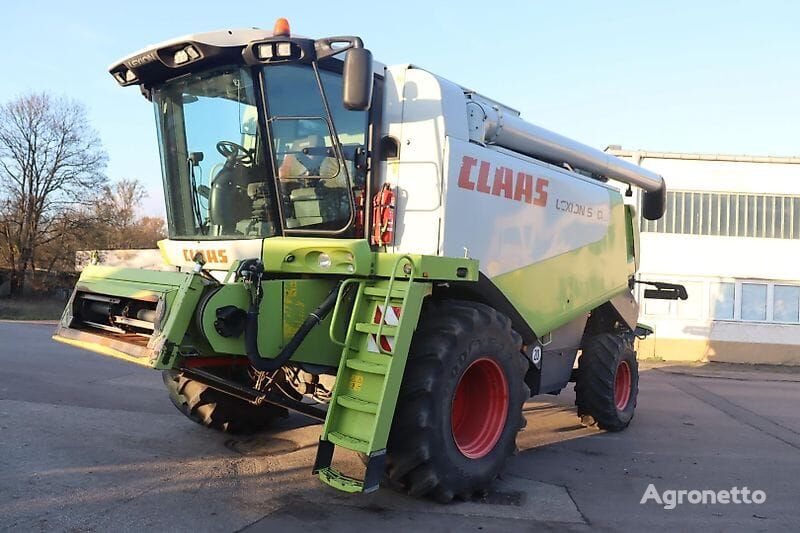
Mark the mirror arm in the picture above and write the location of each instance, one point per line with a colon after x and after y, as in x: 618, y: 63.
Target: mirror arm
x: 324, y: 47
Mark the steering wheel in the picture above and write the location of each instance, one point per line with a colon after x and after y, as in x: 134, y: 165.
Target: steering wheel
x: 235, y: 153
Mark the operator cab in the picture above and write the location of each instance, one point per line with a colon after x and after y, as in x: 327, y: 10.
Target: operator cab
x: 261, y: 134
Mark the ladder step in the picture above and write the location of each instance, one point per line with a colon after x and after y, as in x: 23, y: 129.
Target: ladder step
x: 357, y: 404
x: 351, y: 443
x: 337, y: 480
x: 367, y: 366
x: 387, y: 331
x: 378, y: 291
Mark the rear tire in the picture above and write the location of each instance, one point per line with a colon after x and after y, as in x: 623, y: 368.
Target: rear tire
x: 607, y: 384
x: 460, y: 403
x: 217, y: 410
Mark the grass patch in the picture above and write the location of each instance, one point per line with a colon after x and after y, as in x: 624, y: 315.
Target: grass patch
x: 31, y: 309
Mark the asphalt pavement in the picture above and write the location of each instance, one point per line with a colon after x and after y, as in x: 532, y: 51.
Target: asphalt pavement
x: 89, y: 443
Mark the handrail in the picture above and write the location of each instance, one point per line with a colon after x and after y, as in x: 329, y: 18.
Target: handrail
x: 331, y: 333
x: 389, y: 297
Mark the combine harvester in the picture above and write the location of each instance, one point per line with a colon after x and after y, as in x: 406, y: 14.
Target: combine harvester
x: 377, y: 248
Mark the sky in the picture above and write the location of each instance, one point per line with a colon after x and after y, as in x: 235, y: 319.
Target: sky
x: 694, y: 76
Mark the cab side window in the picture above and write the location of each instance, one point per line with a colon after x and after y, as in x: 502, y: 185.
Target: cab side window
x: 351, y: 126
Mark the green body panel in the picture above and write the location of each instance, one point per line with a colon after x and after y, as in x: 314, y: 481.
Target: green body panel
x: 430, y: 267
x: 235, y: 294
x: 156, y: 278
x: 300, y: 255
x: 553, y: 292
x: 353, y: 257
x: 301, y: 297
x: 175, y: 294
x: 129, y: 282
x: 284, y: 307
x: 178, y: 317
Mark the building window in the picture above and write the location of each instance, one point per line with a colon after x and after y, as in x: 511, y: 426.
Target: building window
x: 754, y: 301
x: 728, y: 214
x: 722, y: 300
x: 729, y: 300
x: 786, y: 303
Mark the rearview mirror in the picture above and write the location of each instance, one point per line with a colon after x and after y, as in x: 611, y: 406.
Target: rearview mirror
x: 357, y: 91
x: 654, y: 203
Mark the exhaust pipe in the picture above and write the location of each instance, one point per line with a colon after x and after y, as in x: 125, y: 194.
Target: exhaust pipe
x: 489, y: 124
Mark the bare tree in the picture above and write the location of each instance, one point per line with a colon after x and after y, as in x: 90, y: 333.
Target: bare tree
x: 125, y: 229
x: 110, y: 222
x: 51, y: 164
x: 148, y: 231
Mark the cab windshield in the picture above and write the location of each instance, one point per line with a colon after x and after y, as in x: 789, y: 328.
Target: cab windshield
x: 226, y: 177
x: 214, y: 165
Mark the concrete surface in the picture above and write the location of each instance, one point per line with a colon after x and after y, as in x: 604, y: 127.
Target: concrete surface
x: 734, y: 371
x: 89, y: 443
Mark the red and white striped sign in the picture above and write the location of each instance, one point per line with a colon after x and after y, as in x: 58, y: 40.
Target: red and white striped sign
x: 390, y: 318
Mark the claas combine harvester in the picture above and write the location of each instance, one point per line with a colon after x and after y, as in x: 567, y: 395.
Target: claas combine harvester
x: 375, y: 247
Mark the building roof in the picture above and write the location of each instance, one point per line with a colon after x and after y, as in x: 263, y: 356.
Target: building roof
x: 733, y: 158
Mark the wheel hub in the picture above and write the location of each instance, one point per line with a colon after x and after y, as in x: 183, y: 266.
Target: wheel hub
x: 622, y: 385
x: 480, y: 408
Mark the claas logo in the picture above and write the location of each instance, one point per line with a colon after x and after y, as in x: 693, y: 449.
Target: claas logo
x: 211, y: 256
x: 518, y: 186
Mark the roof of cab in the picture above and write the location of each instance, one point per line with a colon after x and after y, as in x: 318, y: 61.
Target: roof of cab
x: 222, y: 38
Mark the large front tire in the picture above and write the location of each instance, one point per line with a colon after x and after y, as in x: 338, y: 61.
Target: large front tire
x: 460, y: 403
x: 607, y: 384
x: 217, y: 410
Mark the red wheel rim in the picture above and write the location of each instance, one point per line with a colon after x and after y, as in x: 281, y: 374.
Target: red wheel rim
x: 480, y: 408
x: 622, y: 385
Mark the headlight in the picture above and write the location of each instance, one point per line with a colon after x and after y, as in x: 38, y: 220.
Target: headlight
x: 125, y: 76
x: 184, y: 55
x: 181, y: 57
x: 264, y: 51
x: 283, y: 49
x: 324, y: 261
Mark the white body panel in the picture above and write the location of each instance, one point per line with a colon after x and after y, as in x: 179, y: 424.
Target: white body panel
x: 507, y: 225
x: 509, y: 212
x: 219, y: 255
x: 420, y: 110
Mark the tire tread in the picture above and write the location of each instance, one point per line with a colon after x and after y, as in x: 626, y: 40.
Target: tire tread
x: 217, y: 410
x: 412, y: 463
x: 594, y: 388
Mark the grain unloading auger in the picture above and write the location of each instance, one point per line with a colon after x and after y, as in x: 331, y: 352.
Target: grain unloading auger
x: 375, y: 247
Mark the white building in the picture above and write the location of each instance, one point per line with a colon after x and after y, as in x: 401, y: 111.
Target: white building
x: 731, y: 235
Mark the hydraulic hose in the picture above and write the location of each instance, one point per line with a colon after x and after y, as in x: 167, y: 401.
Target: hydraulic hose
x: 251, y: 333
